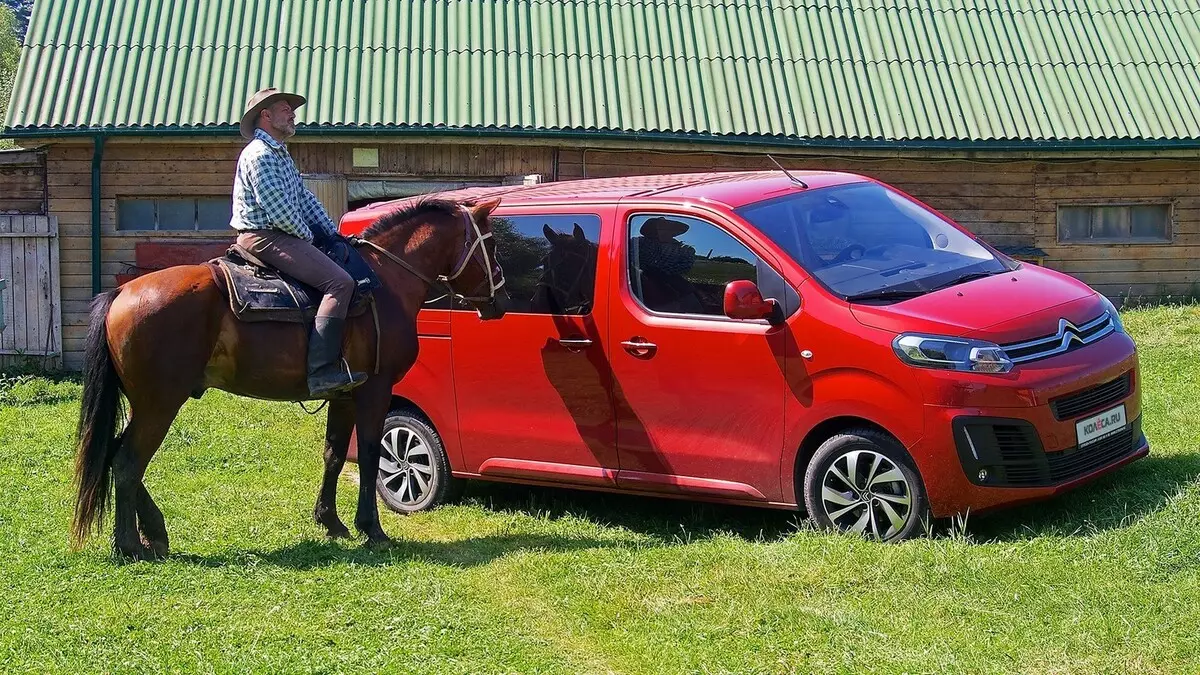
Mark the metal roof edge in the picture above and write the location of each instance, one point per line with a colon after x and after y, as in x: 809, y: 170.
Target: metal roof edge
x: 609, y: 135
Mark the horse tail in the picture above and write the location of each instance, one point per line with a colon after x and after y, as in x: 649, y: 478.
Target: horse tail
x: 96, y: 435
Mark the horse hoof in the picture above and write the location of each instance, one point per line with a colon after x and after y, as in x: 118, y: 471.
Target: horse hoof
x: 384, y: 544
x: 140, y: 552
x: 339, y: 532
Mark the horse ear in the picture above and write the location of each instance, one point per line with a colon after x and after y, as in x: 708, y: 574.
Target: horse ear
x: 548, y: 232
x: 482, y: 210
x: 579, y: 233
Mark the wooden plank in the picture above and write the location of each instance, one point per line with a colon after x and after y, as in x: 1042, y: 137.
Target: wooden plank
x: 55, y: 285
x: 8, y: 335
x: 1128, y: 265
x: 35, y: 310
x: 32, y: 158
x: 1115, y: 166
x: 21, y: 205
x: 1146, y: 291
x: 1112, y: 192
x: 16, y: 253
x: 1122, y: 252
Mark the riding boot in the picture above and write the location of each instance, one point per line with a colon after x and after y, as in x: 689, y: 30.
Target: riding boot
x: 328, y: 372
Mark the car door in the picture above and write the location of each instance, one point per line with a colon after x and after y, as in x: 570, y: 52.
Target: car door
x: 533, y: 388
x: 699, y: 396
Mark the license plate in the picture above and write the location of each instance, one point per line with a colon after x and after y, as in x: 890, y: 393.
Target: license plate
x: 1100, y: 426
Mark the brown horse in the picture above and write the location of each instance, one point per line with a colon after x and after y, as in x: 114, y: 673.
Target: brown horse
x: 171, y: 334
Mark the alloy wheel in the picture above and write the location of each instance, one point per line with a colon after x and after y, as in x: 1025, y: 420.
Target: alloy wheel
x: 406, y: 466
x: 864, y: 492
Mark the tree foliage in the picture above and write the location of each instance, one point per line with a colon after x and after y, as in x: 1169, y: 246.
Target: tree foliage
x: 10, y: 53
x: 21, y: 10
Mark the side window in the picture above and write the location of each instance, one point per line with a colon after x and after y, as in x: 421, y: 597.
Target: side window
x: 680, y: 265
x: 549, y: 262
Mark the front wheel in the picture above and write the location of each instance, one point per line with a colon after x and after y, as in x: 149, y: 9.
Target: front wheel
x: 863, y: 481
x: 414, y: 471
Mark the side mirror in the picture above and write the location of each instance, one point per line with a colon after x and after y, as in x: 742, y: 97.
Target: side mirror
x: 743, y: 301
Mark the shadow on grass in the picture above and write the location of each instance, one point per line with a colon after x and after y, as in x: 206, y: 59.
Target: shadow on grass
x: 313, y: 554
x: 1111, y: 502
x: 667, y: 520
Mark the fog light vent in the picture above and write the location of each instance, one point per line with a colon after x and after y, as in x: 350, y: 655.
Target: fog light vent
x: 983, y: 475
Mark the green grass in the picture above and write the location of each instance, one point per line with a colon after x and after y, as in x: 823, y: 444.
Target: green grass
x: 513, y: 579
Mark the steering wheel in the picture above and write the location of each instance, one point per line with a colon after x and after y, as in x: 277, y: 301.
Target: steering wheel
x: 844, y: 254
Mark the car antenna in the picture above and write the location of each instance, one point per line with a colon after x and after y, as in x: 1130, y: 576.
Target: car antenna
x: 792, y: 178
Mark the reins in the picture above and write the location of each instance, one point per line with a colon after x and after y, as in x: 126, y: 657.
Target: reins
x: 469, y: 224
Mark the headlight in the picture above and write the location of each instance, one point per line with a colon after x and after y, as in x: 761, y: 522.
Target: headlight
x: 946, y: 353
x: 1112, y: 311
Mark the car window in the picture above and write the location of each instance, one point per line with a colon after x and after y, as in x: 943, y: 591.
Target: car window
x: 860, y: 239
x: 549, y: 262
x: 680, y: 265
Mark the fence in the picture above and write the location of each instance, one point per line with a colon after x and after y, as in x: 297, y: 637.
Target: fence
x: 31, y: 301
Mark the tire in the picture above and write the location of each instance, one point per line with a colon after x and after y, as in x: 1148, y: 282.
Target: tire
x: 414, y: 471
x: 892, y: 511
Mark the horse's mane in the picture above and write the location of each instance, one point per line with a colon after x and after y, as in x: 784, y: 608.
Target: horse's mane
x: 423, y: 206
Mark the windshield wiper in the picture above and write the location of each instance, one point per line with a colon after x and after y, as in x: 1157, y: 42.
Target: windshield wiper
x: 963, y: 278
x: 886, y: 294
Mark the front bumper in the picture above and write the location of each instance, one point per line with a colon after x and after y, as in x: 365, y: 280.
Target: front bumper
x: 1019, y: 442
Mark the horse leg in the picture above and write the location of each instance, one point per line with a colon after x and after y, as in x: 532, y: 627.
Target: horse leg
x: 151, y: 523
x: 147, y: 428
x: 339, y: 423
x: 371, y: 401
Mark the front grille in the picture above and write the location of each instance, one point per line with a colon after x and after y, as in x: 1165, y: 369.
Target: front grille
x: 1009, y: 453
x: 1091, y: 399
x: 1067, y: 338
x: 1076, y: 462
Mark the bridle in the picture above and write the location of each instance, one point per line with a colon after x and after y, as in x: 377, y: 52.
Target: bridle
x: 473, y: 249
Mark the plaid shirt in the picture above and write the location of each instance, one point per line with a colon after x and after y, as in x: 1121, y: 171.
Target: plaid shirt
x: 269, y: 194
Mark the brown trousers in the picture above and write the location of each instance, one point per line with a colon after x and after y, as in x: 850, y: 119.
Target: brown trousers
x: 305, y: 262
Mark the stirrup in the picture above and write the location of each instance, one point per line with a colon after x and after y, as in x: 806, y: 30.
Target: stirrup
x: 344, y: 385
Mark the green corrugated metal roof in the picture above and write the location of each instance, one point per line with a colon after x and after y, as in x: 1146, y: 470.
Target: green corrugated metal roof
x: 884, y: 70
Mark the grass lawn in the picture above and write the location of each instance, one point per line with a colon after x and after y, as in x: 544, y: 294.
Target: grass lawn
x: 514, y: 579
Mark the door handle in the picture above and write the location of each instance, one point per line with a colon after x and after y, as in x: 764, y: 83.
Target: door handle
x: 639, y: 347
x: 575, y: 343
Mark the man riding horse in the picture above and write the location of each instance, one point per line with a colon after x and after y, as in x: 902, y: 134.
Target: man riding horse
x: 280, y: 219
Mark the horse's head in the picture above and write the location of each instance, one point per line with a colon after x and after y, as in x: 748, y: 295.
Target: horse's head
x: 449, y: 245
x: 570, y: 260
x: 476, y: 276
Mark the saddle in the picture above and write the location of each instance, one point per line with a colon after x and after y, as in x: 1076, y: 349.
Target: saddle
x: 259, y: 292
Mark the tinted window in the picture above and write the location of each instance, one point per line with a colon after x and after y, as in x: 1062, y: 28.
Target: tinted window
x: 549, y: 263
x: 681, y: 265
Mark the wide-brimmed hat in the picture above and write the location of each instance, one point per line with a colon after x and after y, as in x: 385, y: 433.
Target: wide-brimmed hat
x: 672, y: 228
x: 263, y: 98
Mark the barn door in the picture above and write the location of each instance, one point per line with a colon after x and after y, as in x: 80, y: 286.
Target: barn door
x: 31, y: 324
x: 330, y: 191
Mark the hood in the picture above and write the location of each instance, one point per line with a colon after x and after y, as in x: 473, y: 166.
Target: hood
x: 987, y: 308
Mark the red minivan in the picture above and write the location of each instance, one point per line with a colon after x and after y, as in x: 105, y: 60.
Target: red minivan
x: 816, y: 341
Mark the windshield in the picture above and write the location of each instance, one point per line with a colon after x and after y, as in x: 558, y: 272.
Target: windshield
x: 863, y: 241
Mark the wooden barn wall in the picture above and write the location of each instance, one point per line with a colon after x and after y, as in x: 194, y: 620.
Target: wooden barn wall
x: 142, y: 169
x: 1005, y: 202
x: 22, y: 182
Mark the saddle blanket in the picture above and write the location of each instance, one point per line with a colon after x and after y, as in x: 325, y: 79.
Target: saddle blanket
x: 257, y: 292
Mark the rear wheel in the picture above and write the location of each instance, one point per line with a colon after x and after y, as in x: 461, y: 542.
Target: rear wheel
x: 863, y: 481
x: 414, y: 471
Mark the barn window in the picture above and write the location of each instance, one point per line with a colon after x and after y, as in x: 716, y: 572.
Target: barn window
x: 174, y: 214
x: 1084, y: 223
